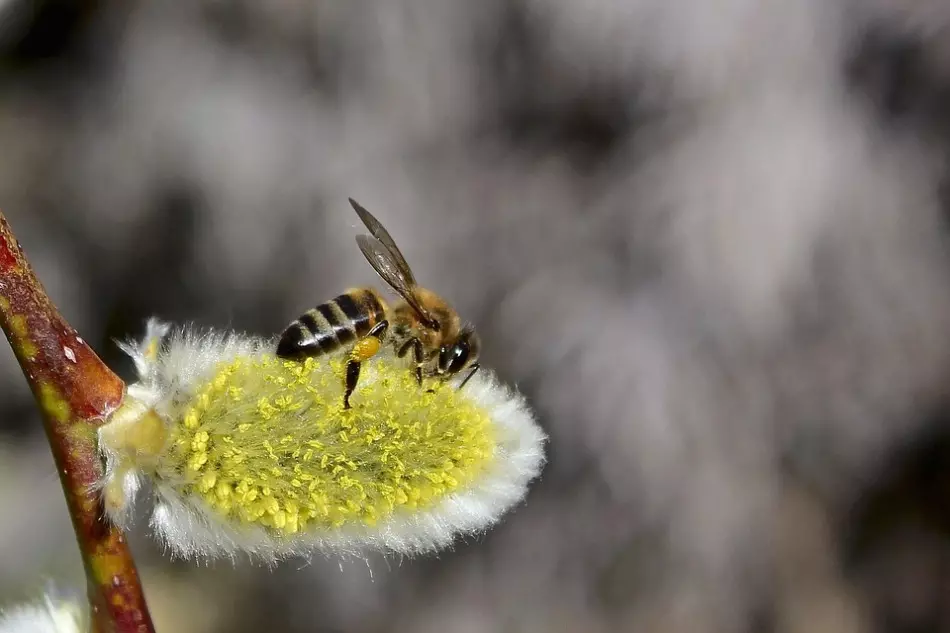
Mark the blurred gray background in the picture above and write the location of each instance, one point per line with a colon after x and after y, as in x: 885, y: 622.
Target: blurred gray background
x: 708, y: 239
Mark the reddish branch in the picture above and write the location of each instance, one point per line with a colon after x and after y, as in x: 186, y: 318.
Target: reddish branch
x: 76, y: 392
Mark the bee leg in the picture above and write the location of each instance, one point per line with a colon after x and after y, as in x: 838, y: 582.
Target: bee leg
x: 418, y: 355
x: 475, y: 367
x: 363, y: 350
x: 404, y: 349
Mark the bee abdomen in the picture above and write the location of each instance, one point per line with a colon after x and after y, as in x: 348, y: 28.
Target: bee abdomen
x: 331, y: 325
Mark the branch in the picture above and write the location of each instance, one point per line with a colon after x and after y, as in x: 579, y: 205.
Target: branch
x: 76, y: 392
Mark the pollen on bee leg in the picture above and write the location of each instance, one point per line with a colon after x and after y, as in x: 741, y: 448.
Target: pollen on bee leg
x: 365, y: 348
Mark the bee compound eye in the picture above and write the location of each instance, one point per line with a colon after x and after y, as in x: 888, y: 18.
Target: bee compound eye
x: 445, y: 358
x: 459, y: 356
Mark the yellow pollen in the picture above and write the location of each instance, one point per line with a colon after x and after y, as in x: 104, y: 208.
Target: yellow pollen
x: 267, y: 442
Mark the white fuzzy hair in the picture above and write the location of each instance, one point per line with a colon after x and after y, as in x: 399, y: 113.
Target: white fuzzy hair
x: 52, y: 615
x: 189, y: 529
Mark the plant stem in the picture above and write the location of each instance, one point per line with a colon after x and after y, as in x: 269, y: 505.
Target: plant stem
x: 76, y: 392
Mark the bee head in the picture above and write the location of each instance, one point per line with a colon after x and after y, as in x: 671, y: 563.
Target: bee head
x: 460, y: 353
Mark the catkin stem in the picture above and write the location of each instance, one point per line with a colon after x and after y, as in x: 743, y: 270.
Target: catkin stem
x: 75, y: 392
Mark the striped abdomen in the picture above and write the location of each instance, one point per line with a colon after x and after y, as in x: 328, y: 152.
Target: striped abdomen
x: 331, y: 325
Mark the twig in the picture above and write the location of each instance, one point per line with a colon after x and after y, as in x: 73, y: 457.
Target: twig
x: 76, y: 392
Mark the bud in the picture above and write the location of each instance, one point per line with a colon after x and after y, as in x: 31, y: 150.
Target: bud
x: 248, y: 452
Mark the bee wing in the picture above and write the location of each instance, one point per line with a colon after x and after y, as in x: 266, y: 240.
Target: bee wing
x: 382, y: 261
x: 380, y: 233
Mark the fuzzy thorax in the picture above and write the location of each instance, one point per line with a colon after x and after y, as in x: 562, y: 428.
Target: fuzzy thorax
x: 249, y: 452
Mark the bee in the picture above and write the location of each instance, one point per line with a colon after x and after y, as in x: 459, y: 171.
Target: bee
x: 422, y: 323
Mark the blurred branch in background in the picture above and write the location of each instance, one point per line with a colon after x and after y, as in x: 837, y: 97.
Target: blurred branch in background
x: 75, y: 391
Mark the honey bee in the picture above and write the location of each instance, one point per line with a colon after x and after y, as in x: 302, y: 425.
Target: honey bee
x: 422, y: 323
